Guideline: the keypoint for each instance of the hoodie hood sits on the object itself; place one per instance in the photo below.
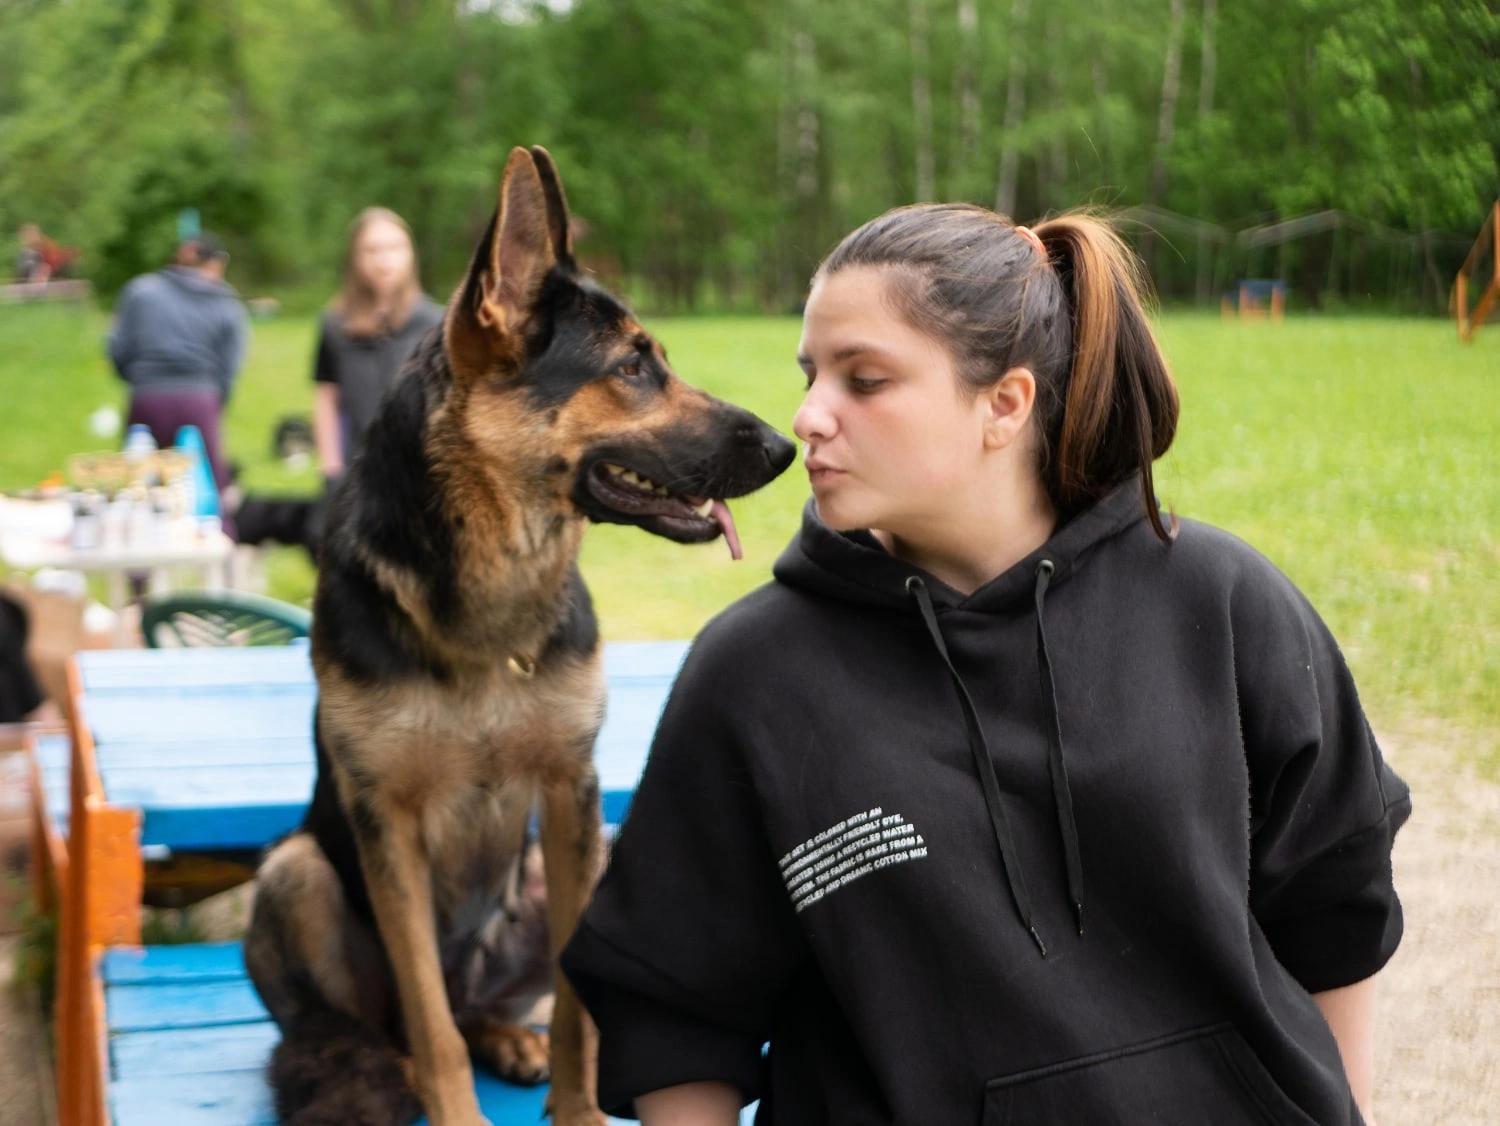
(196, 284)
(854, 567)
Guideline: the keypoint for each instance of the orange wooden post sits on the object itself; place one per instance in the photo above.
(1469, 323)
(101, 907)
(49, 857)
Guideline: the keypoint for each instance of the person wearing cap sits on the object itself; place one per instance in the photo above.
(178, 341)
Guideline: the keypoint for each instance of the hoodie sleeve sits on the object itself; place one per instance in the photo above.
(122, 334)
(689, 939)
(232, 346)
(326, 361)
(1324, 805)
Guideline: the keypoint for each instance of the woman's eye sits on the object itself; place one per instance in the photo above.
(864, 386)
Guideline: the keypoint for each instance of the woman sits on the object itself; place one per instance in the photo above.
(368, 332)
(1011, 800)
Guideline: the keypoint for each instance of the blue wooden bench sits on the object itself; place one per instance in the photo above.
(208, 750)
(188, 1041)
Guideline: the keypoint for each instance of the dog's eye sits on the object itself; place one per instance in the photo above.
(632, 370)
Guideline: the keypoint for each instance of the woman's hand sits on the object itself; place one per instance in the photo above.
(690, 1104)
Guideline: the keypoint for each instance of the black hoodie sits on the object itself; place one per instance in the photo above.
(879, 863)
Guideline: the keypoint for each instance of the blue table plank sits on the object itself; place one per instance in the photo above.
(200, 784)
(190, 962)
(171, 669)
(191, 1051)
(208, 751)
(144, 1008)
(222, 826)
(234, 1098)
(648, 659)
(246, 712)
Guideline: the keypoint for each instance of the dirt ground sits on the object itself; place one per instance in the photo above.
(1439, 1034)
(1438, 1052)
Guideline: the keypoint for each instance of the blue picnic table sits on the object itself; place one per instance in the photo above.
(214, 748)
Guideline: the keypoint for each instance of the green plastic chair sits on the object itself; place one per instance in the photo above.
(220, 618)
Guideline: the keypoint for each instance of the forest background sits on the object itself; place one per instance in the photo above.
(715, 150)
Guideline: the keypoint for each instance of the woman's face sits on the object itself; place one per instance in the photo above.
(891, 440)
(383, 256)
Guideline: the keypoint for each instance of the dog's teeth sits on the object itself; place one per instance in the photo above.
(705, 509)
(662, 491)
(630, 476)
(615, 470)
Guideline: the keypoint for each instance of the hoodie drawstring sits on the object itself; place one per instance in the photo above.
(1062, 795)
(985, 767)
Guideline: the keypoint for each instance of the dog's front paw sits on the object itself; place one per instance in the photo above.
(512, 1052)
(575, 1115)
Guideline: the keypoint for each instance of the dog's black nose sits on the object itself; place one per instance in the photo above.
(777, 450)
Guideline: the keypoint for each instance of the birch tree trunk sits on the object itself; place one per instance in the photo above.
(921, 100)
(1015, 106)
(1057, 101)
(1207, 71)
(966, 98)
(1165, 120)
(1103, 144)
(807, 141)
(797, 155)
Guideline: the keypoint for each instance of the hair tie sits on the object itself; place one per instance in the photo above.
(1032, 237)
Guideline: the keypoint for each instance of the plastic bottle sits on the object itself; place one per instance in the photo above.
(205, 494)
(139, 444)
(88, 521)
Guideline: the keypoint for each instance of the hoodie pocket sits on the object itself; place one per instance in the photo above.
(1185, 1079)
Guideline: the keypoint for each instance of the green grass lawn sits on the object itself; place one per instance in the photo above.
(1360, 454)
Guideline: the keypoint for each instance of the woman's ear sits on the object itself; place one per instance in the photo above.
(1009, 403)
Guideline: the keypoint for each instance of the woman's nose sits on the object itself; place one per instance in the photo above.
(813, 420)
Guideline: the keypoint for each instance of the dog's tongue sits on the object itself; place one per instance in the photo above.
(726, 522)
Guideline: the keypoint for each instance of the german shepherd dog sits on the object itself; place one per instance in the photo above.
(460, 684)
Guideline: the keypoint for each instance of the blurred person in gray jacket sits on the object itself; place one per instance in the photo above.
(178, 340)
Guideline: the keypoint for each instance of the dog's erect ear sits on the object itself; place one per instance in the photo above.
(558, 221)
(521, 247)
(526, 239)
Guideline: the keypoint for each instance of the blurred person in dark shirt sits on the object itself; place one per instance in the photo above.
(367, 333)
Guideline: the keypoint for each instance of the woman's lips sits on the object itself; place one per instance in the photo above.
(819, 473)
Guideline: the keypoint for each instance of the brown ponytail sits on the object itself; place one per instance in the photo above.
(1120, 408)
(1075, 315)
